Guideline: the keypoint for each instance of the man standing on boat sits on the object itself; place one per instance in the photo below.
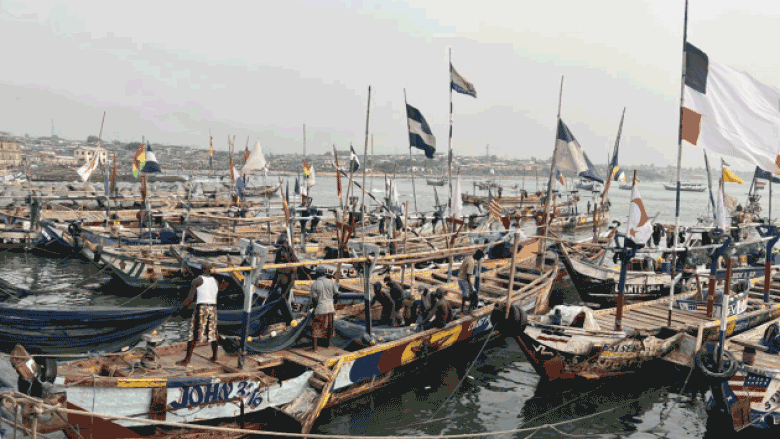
(203, 327)
(322, 291)
(465, 280)
(284, 278)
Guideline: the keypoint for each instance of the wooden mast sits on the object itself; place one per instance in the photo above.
(546, 213)
(411, 164)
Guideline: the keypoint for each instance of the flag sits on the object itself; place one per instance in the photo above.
(729, 112)
(237, 180)
(138, 159)
(420, 135)
(457, 201)
(86, 171)
(569, 155)
(494, 208)
(112, 187)
(211, 151)
(256, 160)
(338, 172)
(559, 177)
(308, 173)
(460, 85)
(150, 164)
(721, 215)
(246, 152)
(730, 177)
(764, 175)
(618, 174)
(615, 173)
(353, 160)
(639, 226)
(286, 205)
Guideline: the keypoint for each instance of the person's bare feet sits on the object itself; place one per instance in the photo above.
(214, 359)
(182, 363)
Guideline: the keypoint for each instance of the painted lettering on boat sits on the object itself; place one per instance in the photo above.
(639, 289)
(249, 391)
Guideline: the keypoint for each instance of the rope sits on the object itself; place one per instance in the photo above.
(39, 408)
(465, 374)
(139, 295)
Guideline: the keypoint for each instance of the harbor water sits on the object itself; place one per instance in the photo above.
(485, 388)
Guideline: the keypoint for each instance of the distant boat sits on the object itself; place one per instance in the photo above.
(625, 186)
(686, 186)
(436, 181)
(588, 186)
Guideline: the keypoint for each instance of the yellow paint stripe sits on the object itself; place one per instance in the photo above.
(141, 382)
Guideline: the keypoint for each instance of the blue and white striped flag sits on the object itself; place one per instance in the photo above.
(569, 155)
(460, 85)
(353, 159)
(420, 135)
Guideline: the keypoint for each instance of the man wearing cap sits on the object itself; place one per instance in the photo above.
(322, 291)
(465, 280)
(203, 327)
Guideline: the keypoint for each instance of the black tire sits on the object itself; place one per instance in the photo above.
(706, 363)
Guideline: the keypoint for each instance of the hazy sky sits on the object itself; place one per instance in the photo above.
(172, 70)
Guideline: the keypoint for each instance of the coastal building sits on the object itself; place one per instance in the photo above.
(10, 154)
(84, 154)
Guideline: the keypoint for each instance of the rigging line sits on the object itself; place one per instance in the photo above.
(311, 435)
(465, 373)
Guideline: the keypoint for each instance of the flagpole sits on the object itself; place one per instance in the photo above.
(546, 214)
(679, 143)
(365, 166)
(449, 139)
(709, 182)
(770, 198)
(371, 183)
(411, 164)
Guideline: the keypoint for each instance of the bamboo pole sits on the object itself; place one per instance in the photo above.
(411, 164)
(546, 213)
(512, 267)
(679, 142)
(365, 165)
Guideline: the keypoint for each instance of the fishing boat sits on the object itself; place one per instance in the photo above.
(261, 191)
(76, 330)
(686, 186)
(743, 387)
(111, 396)
(597, 284)
(441, 181)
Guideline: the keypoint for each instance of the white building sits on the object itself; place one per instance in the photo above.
(84, 154)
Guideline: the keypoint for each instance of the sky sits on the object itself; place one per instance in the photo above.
(172, 71)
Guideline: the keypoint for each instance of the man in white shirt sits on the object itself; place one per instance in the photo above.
(323, 291)
(203, 327)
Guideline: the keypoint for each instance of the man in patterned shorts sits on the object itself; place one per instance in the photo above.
(203, 327)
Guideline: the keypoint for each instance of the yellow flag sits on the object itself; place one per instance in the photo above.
(730, 177)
